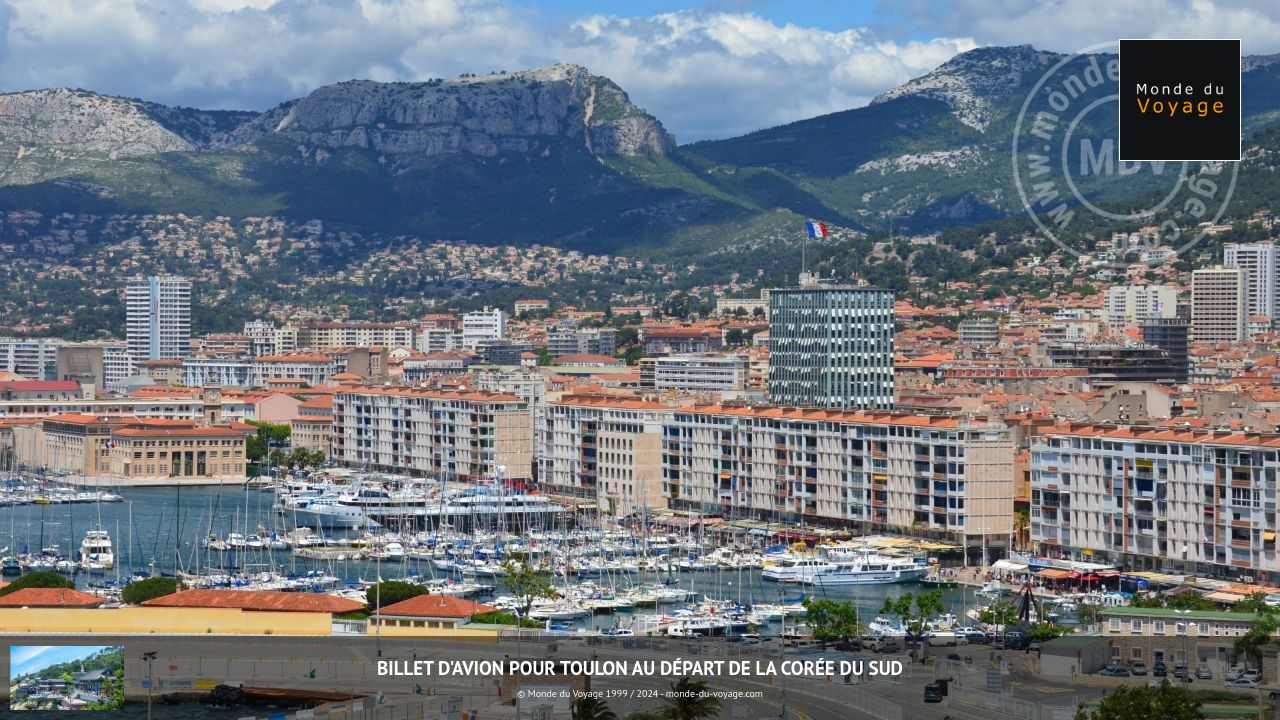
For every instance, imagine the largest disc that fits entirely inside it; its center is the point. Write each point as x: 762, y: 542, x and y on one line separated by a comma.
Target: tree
x: 268, y: 433
x: 1255, y: 603
x: 735, y: 337
x: 831, y: 619
x: 526, y: 581
x: 591, y: 708
x: 689, y: 700
x: 38, y: 580
x: 390, y: 592
x: 140, y: 591
x: 1167, y: 702
x: 1259, y: 634
x: 927, y: 604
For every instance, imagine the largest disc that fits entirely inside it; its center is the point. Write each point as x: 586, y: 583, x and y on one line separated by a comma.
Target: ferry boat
x: 791, y: 569
x: 375, y: 505
x: 95, y: 551
x: 868, y: 568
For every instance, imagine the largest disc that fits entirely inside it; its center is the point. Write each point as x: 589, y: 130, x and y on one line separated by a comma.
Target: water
x: 164, y: 529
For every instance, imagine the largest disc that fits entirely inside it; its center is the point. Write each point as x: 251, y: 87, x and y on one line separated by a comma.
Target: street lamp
x: 1186, y: 658
x: 149, y: 658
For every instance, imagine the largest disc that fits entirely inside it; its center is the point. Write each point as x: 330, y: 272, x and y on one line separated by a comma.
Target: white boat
x: 791, y: 569
x: 867, y: 568
x: 95, y: 551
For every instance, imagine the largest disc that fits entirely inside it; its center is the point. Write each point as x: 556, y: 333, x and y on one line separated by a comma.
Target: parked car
x: 955, y: 656
x: 1243, y: 683
x: 1113, y: 671
x: 1180, y: 672
x: 974, y: 636
x: 1203, y: 672
x: 887, y: 645
x: 1252, y: 675
x: 1137, y: 667
x: 1159, y: 669
x: 945, y: 639
x: 1233, y: 672
x: 1034, y: 646
x: 932, y: 693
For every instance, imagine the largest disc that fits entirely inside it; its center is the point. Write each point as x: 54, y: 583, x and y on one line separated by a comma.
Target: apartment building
x: 676, y: 340
x: 1219, y: 304
x: 1259, y: 262
x: 474, y: 436
x: 605, y: 451
x: 980, y: 331
x: 312, y: 369
x: 159, y: 318
x: 1173, y: 499
x: 33, y: 359
x: 486, y: 324
x: 1126, y: 304
x: 354, y: 334
x: 591, y: 341
x: 879, y: 471
x: 312, y: 428
x: 707, y: 372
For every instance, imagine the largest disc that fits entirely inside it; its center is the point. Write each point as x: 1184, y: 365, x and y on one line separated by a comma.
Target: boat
x: 867, y: 568
x: 10, y: 566
x: 791, y: 569
x: 934, y: 580
x: 95, y: 551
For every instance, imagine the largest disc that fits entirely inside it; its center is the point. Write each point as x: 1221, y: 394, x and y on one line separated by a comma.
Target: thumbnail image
x: 66, y: 677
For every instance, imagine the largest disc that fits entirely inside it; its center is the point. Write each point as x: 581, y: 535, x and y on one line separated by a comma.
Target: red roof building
x: 442, y: 607
x: 49, y: 598
x: 258, y: 600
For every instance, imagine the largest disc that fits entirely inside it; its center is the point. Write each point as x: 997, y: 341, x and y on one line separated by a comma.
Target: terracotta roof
x: 49, y: 597
x: 185, y: 432
x: 257, y: 600
x: 475, y: 395
x: 40, y: 385
x: 296, y: 357
x: 588, y: 358
x: 318, y: 402
x: 436, y: 606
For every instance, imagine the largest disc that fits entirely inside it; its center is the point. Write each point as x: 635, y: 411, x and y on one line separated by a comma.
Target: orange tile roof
x: 318, y: 402
x: 179, y: 432
x: 436, y: 606
x: 49, y: 597
x: 295, y: 357
x: 257, y: 600
x: 477, y: 395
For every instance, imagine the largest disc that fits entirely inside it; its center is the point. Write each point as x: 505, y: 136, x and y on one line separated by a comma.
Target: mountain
x: 557, y: 156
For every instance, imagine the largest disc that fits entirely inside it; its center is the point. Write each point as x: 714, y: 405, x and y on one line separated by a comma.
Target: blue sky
x: 706, y: 68
x: 25, y: 659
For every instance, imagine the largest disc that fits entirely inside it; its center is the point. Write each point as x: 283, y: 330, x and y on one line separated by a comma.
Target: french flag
x: 816, y: 229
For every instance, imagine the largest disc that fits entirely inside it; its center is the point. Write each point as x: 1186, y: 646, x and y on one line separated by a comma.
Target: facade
x: 674, y: 340
x: 313, y: 369
x: 97, y: 364
x: 695, y: 373
x: 1219, y: 304
x: 1259, y: 261
x: 1182, y: 500
x: 877, y: 471
x: 502, y: 352
x: 456, y: 435
x: 1166, y: 635
x: 1172, y: 335
x: 1125, y: 304
x: 438, y: 339
x: 831, y: 346
x: 159, y: 318
x: 312, y: 427
x: 605, y: 451
x: 582, y: 342
x: 486, y: 324
x: 33, y: 359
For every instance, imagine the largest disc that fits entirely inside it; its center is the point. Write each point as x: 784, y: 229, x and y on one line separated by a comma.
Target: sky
x: 706, y: 68
x: 24, y: 659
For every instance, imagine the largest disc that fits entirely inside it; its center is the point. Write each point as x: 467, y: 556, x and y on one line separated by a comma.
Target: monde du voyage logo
x: 1126, y: 136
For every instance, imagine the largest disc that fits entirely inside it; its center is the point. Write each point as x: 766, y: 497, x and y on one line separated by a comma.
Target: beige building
x: 312, y: 427
x: 458, y: 435
x: 1219, y: 304
x: 605, y: 451
x: 878, y: 470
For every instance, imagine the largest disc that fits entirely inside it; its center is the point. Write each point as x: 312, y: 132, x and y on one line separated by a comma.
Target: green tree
x: 1260, y: 633
x: 38, y: 580
x: 140, y: 591
x: 689, y: 700
x: 588, y: 707
x: 927, y: 605
x: 1192, y: 601
x: 390, y: 592
x: 1126, y: 702
x: 526, y: 581
x: 1255, y: 603
x: 831, y: 619
x: 268, y: 433
x: 735, y: 337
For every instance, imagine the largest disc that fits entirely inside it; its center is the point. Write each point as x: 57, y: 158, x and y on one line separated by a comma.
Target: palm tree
x: 689, y: 700
x: 591, y: 708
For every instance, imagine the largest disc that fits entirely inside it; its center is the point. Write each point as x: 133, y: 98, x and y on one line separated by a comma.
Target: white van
x: 947, y: 639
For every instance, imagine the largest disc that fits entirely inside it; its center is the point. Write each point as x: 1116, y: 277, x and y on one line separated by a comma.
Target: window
x: 1114, y: 625
x: 1135, y: 625
x: 1159, y: 627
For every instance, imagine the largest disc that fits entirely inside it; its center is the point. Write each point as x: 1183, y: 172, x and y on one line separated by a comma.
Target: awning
x: 1008, y: 565
x: 757, y: 531
x: 1224, y: 597
x: 1054, y: 574
x: 1268, y: 535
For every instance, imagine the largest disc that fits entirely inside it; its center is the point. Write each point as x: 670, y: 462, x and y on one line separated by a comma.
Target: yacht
x: 792, y: 569
x: 95, y: 551
x: 868, y: 568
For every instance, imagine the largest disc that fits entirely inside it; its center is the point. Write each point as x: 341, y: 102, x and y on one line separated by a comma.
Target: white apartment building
x: 703, y: 372
x: 1178, y: 500
x: 1128, y: 304
x: 604, y: 451
x: 159, y: 318
x: 486, y: 324
x: 32, y: 358
x: 198, y: 371
x: 1219, y: 304
x: 438, y: 339
x: 312, y: 369
x: 471, y: 436
x: 1259, y: 261
x: 354, y: 334
x: 878, y: 470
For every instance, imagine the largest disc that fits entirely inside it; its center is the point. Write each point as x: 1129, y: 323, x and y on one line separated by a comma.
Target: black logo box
x: 1187, y: 68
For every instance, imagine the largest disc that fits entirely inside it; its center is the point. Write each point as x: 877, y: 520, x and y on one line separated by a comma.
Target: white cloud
x: 704, y: 74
